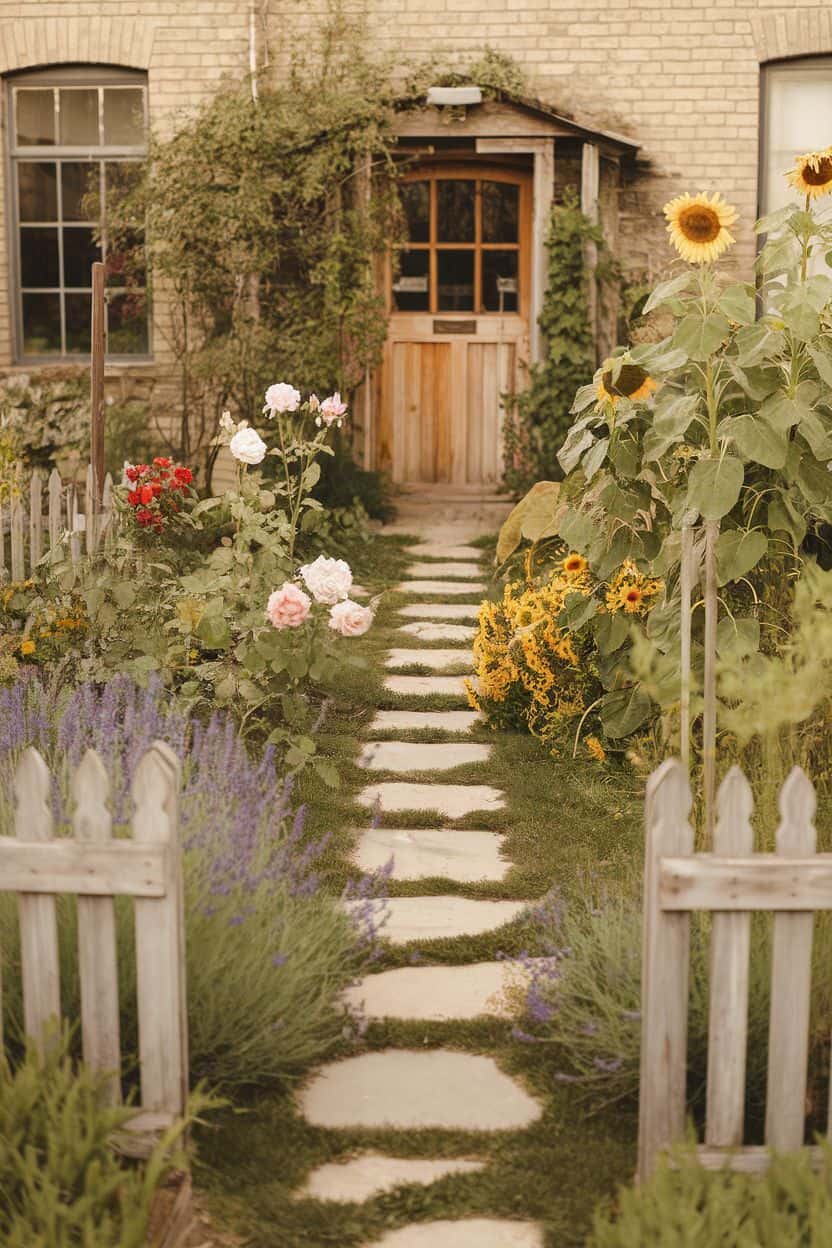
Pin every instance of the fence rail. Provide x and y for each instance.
(731, 883)
(94, 866)
(50, 513)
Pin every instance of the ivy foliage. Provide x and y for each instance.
(538, 417)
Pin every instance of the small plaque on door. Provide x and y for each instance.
(454, 327)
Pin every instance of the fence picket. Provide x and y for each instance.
(97, 959)
(18, 554)
(55, 506)
(665, 957)
(72, 523)
(2, 543)
(90, 510)
(729, 969)
(38, 923)
(788, 1050)
(160, 940)
(35, 519)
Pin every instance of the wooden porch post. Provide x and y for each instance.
(99, 347)
(590, 186)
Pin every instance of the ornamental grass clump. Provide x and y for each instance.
(269, 952)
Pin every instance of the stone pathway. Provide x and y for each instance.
(406, 1089)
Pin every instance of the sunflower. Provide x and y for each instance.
(698, 226)
(632, 383)
(812, 173)
(631, 598)
(574, 564)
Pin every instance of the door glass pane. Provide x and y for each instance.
(41, 324)
(35, 117)
(127, 324)
(79, 116)
(416, 208)
(38, 257)
(499, 281)
(79, 184)
(456, 281)
(500, 212)
(80, 250)
(78, 319)
(123, 116)
(455, 211)
(37, 190)
(411, 289)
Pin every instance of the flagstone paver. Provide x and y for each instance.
(420, 756)
(362, 1178)
(451, 853)
(433, 721)
(435, 918)
(427, 630)
(437, 550)
(453, 801)
(464, 1233)
(440, 587)
(411, 1089)
(440, 611)
(437, 992)
(425, 686)
(437, 660)
(438, 571)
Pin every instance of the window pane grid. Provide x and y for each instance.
(59, 132)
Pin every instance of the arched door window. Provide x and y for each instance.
(467, 241)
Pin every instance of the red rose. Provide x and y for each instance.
(141, 469)
(162, 461)
(144, 516)
(184, 475)
(131, 473)
(133, 498)
(147, 493)
(156, 487)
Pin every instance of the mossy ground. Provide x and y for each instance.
(562, 817)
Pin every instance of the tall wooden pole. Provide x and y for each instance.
(99, 346)
(709, 690)
(686, 578)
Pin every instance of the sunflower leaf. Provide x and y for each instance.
(738, 304)
(737, 552)
(756, 440)
(775, 220)
(700, 336)
(666, 290)
(595, 457)
(714, 486)
(783, 516)
(624, 710)
(577, 441)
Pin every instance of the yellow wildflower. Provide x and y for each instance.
(596, 749)
(27, 647)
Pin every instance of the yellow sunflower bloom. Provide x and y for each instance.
(812, 173)
(574, 564)
(632, 383)
(698, 226)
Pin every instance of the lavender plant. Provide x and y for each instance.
(269, 952)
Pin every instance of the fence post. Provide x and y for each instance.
(97, 958)
(55, 506)
(97, 355)
(160, 940)
(38, 926)
(791, 971)
(35, 518)
(665, 970)
(18, 554)
(729, 961)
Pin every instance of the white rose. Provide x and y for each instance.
(247, 446)
(328, 580)
(281, 398)
(350, 619)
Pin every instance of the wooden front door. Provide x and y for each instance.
(458, 323)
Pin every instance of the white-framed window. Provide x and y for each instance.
(796, 117)
(74, 133)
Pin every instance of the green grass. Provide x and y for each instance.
(561, 818)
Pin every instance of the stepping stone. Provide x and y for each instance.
(426, 630)
(435, 550)
(454, 571)
(409, 1089)
(450, 853)
(451, 800)
(436, 918)
(434, 721)
(441, 611)
(434, 659)
(419, 756)
(440, 587)
(362, 1178)
(424, 686)
(464, 1233)
(436, 993)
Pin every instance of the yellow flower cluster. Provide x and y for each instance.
(631, 591)
(13, 588)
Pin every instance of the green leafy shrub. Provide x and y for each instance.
(344, 483)
(46, 416)
(62, 1185)
(686, 1206)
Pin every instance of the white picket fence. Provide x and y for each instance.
(732, 882)
(52, 512)
(95, 867)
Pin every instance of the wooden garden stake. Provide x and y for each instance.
(99, 333)
(709, 690)
(685, 591)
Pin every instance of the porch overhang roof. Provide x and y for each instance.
(507, 116)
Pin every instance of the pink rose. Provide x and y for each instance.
(350, 619)
(288, 606)
(333, 409)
